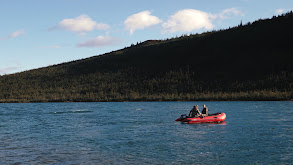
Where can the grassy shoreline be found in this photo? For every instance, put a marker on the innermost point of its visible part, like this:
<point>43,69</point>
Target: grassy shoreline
<point>239,96</point>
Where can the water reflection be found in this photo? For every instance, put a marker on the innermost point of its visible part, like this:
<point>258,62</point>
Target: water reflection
<point>208,124</point>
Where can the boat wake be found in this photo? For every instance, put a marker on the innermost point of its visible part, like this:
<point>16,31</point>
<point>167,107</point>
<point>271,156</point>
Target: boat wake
<point>73,111</point>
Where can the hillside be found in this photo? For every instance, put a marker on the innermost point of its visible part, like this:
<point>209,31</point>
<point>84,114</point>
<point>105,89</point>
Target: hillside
<point>246,62</point>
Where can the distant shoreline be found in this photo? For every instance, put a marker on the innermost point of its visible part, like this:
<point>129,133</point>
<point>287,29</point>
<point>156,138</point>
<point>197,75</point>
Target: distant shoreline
<point>4,102</point>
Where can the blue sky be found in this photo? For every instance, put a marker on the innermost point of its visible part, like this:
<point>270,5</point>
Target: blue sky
<point>39,33</point>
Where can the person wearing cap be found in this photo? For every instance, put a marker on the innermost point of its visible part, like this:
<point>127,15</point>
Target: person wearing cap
<point>194,112</point>
<point>204,111</point>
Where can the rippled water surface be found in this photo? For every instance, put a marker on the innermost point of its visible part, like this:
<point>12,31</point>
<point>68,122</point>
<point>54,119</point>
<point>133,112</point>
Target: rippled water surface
<point>145,133</point>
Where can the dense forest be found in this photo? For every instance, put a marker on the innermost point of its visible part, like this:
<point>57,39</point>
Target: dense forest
<point>252,61</point>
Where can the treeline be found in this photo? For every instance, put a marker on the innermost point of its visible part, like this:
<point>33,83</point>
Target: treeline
<point>128,85</point>
<point>246,62</point>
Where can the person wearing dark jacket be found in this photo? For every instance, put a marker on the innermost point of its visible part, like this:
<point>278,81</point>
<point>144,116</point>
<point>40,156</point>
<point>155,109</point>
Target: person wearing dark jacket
<point>194,112</point>
<point>205,111</point>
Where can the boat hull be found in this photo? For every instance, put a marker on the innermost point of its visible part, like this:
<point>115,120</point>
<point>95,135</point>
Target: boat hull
<point>213,118</point>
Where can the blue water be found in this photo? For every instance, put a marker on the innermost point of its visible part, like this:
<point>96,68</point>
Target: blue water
<point>145,133</point>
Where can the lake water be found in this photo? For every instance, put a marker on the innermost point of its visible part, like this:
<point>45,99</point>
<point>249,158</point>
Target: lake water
<point>145,133</point>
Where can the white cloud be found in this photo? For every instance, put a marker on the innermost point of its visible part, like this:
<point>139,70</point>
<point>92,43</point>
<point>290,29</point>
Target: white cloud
<point>81,24</point>
<point>140,21</point>
<point>190,19</point>
<point>13,35</point>
<point>100,41</point>
<point>280,11</point>
<point>187,20</point>
<point>227,13</point>
<point>8,70</point>
<point>17,33</point>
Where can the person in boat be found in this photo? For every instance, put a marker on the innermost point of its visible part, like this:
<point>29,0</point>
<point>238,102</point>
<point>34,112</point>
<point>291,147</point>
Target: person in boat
<point>194,112</point>
<point>204,111</point>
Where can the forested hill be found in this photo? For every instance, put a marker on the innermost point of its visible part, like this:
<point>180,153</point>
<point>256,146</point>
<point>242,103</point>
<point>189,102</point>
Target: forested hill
<point>247,62</point>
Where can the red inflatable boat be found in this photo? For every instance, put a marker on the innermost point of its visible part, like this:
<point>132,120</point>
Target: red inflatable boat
<point>212,118</point>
